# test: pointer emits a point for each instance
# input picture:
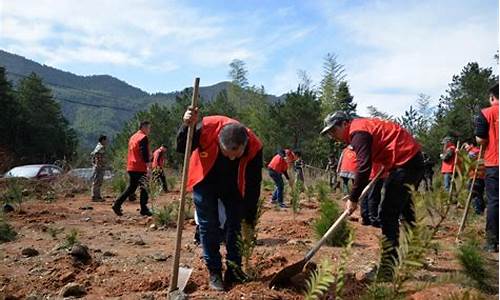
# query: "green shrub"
(71, 239)
(14, 192)
(119, 183)
(164, 215)
(474, 265)
(323, 190)
(320, 281)
(329, 212)
(7, 233)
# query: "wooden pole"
(180, 216)
(469, 197)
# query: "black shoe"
(97, 199)
(117, 210)
(216, 281)
(234, 275)
(146, 212)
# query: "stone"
(29, 252)
(68, 276)
(80, 252)
(7, 208)
(160, 257)
(139, 241)
(108, 254)
(72, 289)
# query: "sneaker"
(117, 210)
(97, 199)
(216, 281)
(234, 275)
(146, 212)
(283, 205)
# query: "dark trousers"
(278, 190)
(205, 198)
(398, 201)
(477, 197)
(427, 179)
(136, 179)
(160, 176)
(345, 185)
(491, 186)
(370, 205)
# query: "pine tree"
(344, 99)
(333, 74)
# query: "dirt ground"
(130, 260)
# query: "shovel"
(469, 198)
(286, 273)
(180, 276)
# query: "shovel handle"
(180, 217)
(332, 228)
(469, 197)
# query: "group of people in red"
(226, 166)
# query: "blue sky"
(391, 50)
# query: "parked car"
(86, 173)
(43, 171)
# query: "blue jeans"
(491, 185)
(477, 195)
(205, 198)
(278, 190)
(447, 181)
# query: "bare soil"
(123, 267)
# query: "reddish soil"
(121, 267)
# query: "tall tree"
(457, 108)
(411, 121)
(44, 134)
(237, 93)
(333, 74)
(344, 99)
(376, 113)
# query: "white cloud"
(411, 47)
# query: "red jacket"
(158, 159)
(135, 161)
(204, 156)
(278, 164)
(375, 169)
(491, 151)
(392, 145)
(447, 166)
(348, 161)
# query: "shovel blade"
(184, 274)
(284, 276)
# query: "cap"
(334, 119)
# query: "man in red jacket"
(386, 143)
(487, 135)
(138, 166)
(277, 167)
(226, 164)
(158, 164)
(448, 161)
